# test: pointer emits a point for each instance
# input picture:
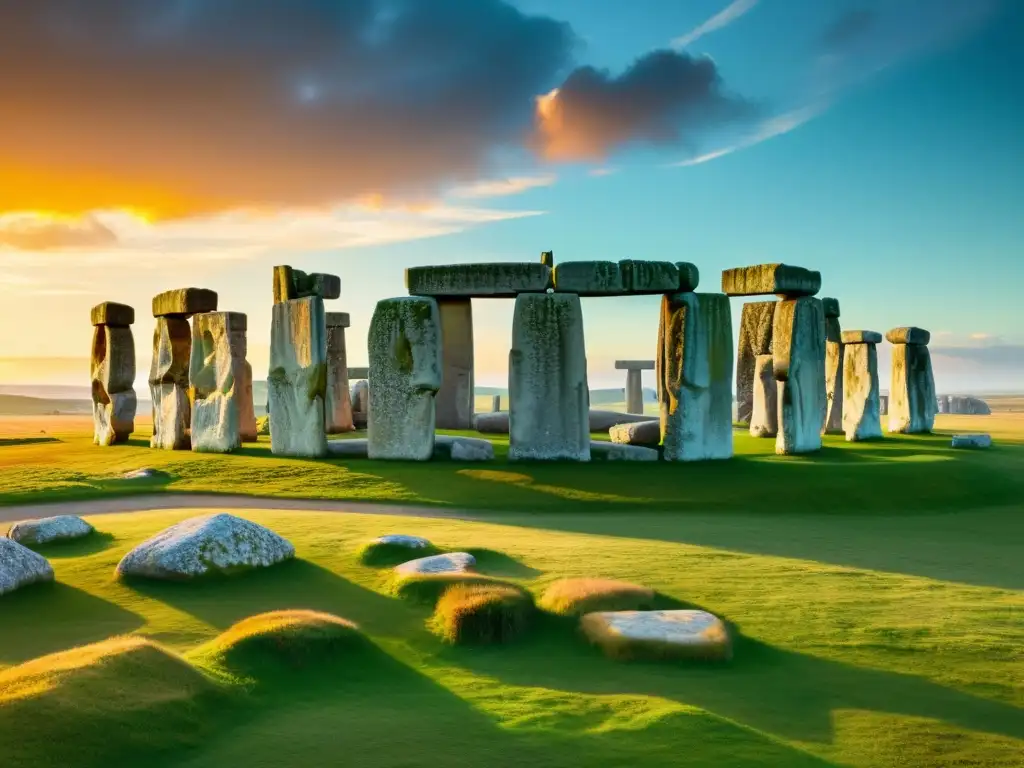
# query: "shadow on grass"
(97, 541)
(27, 440)
(495, 563)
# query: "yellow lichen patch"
(576, 597)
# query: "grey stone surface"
(972, 441)
(297, 382)
(456, 399)
(496, 403)
(47, 530)
(755, 339)
(501, 280)
(589, 278)
(862, 337)
(168, 384)
(450, 562)
(603, 421)
(349, 448)
(646, 277)
(405, 374)
(337, 396)
(766, 279)
(402, 540)
(830, 306)
(798, 344)
(217, 378)
(463, 448)
(908, 335)
(184, 302)
(764, 421)
(113, 314)
(883, 404)
(834, 385)
(210, 544)
(603, 451)
(495, 423)
(963, 405)
(292, 283)
(358, 374)
(912, 400)
(20, 566)
(638, 433)
(862, 419)
(548, 392)
(635, 365)
(113, 375)
(699, 633)
(694, 371)
(634, 382)
(243, 385)
(689, 276)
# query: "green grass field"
(876, 593)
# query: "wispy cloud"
(721, 19)
(40, 232)
(514, 185)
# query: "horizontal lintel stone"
(184, 302)
(338, 320)
(862, 337)
(629, 277)
(908, 335)
(689, 276)
(634, 365)
(766, 279)
(113, 314)
(503, 280)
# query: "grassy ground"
(876, 590)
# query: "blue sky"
(904, 186)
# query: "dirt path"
(168, 501)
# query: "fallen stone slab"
(767, 279)
(292, 283)
(908, 335)
(862, 337)
(501, 280)
(659, 634)
(463, 448)
(972, 441)
(494, 423)
(20, 566)
(184, 302)
(602, 451)
(49, 529)
(450, 562)
(349, 448)
(637, 433)
(112, 313)
(603, 421)
(210, 544)
(830, 306)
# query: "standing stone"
(113, 373)
(755, 340)
(360, 401)
(549, 398)
(217, 378)
(239, 342)
(405, 375)
(883, 405)
(338, 402)
(862, 418)
(455, 398)
(496, 404)
(912, 401)
(292, 283)
(798, 343)
(764, 421)
(634, 382)
(297, 382)
(694, 370)
(833, 421)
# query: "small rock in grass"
(463, 448)
(144, 474)
(402, 540)
(206, 545)
(49, 529)
(618, 452)
(658, 634)
(450, 562)
(972, 441)
(20, 566)
(637, 433)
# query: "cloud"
(35, 232)
(721, 19)
(503, 187)
(664, 98)
(992, 356)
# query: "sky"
(156, 144)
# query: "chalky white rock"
(20, 566)
(49, 529)
(450, 562)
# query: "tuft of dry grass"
(576, 597)
(478, 614)
(604, 631)
(427, 588)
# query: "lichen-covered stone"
(548, 392)
(637, 433)
(217, 377)
(604, 451)
(113, 376)
(502, 280)
(908, 335)
(168, 384)
(547, 258)
(603, 421)
(403, 540)
(292, 283)
(755, 339)
(694, 376)
(360, 392)
(862, 418)
(912, 400)
(689, 276)
(184, 302)
(972, 441)
(297, 382)
(456, 399)
(830, 307)
(764, 421)
(20, 566)
(883, 402)
(47, 530)
(798, 344)
(113, 314)
(206, 545)
(405, 374)
(114, 420)
(861, 337)
(589, 278)
(338, 400)
(766, 279)
(358, 374)
(450, 562)
(645, 277)
(833, 384)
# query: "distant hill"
(19, 405)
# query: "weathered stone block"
(338, 400)
(694, 376)
(798, 343)
(113, 360)
(862, 418)
(972, 441)
(635, 365)
(634, 382)
(172, 417)
(689, 276)
(833, 384)
(833, 331)
(297, 382)
(755, 339)
(112, 313)
(643, 277)
(338, 319)
(502, 280)
(908, 335)
(292, 283)
(168, 384)
(114, 420)
(589, 278)
(637, 433)
(405, 374)
(455, 400)
(912, 402)
(830, 307)
(547, 258)
(548, 392)
(764, 421)
(861, 337)
(766, 279)
(603, 451)
(358, 374)
(217, 377)
(184, 302)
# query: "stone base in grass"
(49, 529)
(685, 634)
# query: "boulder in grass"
(395, 548)
(972, 441)
(463, 448)
(637, 433)
(20, 566)
(402, 540)
(682, 634)
(450, 562)
(49, 529)
(207, 545)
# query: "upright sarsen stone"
(113, 373)
(549, 399)
(912, 400)
(239, 342)
(217, 378)
(798, 344)
(862, 418)
(338, 401)
(833, 371)
(764, 421)
(297, 381)
(168, 384)
(755, 339)
(455, 399)
(405, 373)
(694, 370)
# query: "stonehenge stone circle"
(755, 339)
(833, 368)
(862, 419)
(217, 375)
(782, 280)
(338, 399)
(113, 373)
(963, 404)
(694, 370)
(405, 374)
(548, 392)
(912, 399)
(798, 344)
(456, 399)
(634, 382)
(764, 420)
